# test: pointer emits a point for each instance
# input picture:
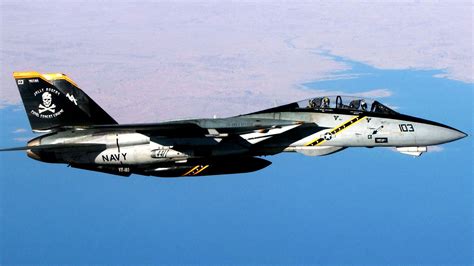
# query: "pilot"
(363, 105)
(354, 104)
(325, 103)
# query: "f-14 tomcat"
(81, 134)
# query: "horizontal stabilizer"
(51, 147)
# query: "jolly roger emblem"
(47, 105)
(47, 109)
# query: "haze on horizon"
(209, 58)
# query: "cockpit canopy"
(327, 103)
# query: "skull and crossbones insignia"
(47, 104)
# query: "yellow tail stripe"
(46, 76)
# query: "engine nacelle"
(231, 166)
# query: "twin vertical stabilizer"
(53, 100)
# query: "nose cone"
(447, 134)
(432, 133)
(457, 134)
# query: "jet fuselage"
(83, 135)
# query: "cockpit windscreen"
(345, 102)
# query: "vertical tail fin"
(54, 100)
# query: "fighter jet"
(79, 133)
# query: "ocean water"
(358, 206)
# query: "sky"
(159, 60)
